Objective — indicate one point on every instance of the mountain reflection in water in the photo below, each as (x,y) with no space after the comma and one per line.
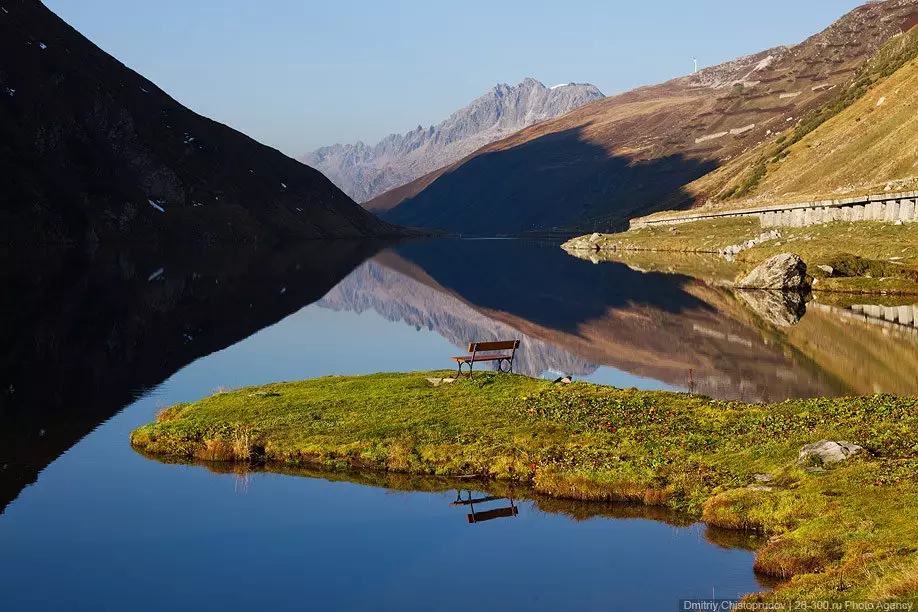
(85,333)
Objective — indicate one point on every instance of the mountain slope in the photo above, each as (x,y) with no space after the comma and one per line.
(364,172)
(635,153)
(90,150)
(865,145)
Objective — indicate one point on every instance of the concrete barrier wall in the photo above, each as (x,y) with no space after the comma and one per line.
(887,208)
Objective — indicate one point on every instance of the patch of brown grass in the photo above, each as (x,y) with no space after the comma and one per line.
(215,449)
(903,584)
(787,557)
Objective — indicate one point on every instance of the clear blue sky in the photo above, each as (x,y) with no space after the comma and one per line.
(298,74)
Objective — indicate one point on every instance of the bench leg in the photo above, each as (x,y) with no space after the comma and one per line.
(461,363)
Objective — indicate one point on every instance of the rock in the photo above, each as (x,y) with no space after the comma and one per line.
(829,270)
(780,308)
(827,452)
(759,488)
(588,244)
(784,272)
(762,477)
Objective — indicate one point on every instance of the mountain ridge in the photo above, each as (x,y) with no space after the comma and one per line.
(364,171)
(635,153)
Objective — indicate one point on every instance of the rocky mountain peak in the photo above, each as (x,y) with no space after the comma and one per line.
(364,171)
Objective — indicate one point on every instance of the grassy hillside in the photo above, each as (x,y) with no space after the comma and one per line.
(635,153)
(863,141)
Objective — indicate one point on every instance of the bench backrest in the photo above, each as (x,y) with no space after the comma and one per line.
(478,347)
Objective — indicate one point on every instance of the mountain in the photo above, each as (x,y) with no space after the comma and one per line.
(364,172)
(635,153)
(90,150)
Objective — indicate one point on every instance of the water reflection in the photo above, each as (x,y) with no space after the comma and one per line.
(479,515)
(84,333)
(87,332)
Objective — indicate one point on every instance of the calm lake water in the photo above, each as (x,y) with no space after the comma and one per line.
(94,344)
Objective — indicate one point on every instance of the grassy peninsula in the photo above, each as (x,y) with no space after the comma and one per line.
(865,257)
(841,531)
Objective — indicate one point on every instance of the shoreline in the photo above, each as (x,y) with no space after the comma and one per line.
(863,258)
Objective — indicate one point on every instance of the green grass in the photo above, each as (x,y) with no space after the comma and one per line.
(850,531)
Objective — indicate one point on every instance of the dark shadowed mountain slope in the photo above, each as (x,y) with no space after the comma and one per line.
(634,153)
(90,150)
(364,172)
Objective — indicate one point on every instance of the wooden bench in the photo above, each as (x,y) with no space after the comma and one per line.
(489,351)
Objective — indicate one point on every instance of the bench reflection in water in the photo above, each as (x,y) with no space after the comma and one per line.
(484,515)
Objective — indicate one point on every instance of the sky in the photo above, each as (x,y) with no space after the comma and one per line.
(300,74)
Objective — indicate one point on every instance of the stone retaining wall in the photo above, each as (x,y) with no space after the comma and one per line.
(889,208)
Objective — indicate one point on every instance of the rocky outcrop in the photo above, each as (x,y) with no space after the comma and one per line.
(365,171)
(92,151)
(827,452)
(783,272)
(733,250)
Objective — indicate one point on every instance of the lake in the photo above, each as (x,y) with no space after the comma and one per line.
(96,342)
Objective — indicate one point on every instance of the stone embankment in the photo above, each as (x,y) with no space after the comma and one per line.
(889,208)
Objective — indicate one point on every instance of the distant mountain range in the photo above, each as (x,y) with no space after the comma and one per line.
(364,171)
(638,152)
(92,151)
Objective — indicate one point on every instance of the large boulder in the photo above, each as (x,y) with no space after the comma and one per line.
(784,272)
(828,451)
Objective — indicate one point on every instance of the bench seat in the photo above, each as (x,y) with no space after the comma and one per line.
(476,358)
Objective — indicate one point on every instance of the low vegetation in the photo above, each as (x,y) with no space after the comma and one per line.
(843,531)
(864,257)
